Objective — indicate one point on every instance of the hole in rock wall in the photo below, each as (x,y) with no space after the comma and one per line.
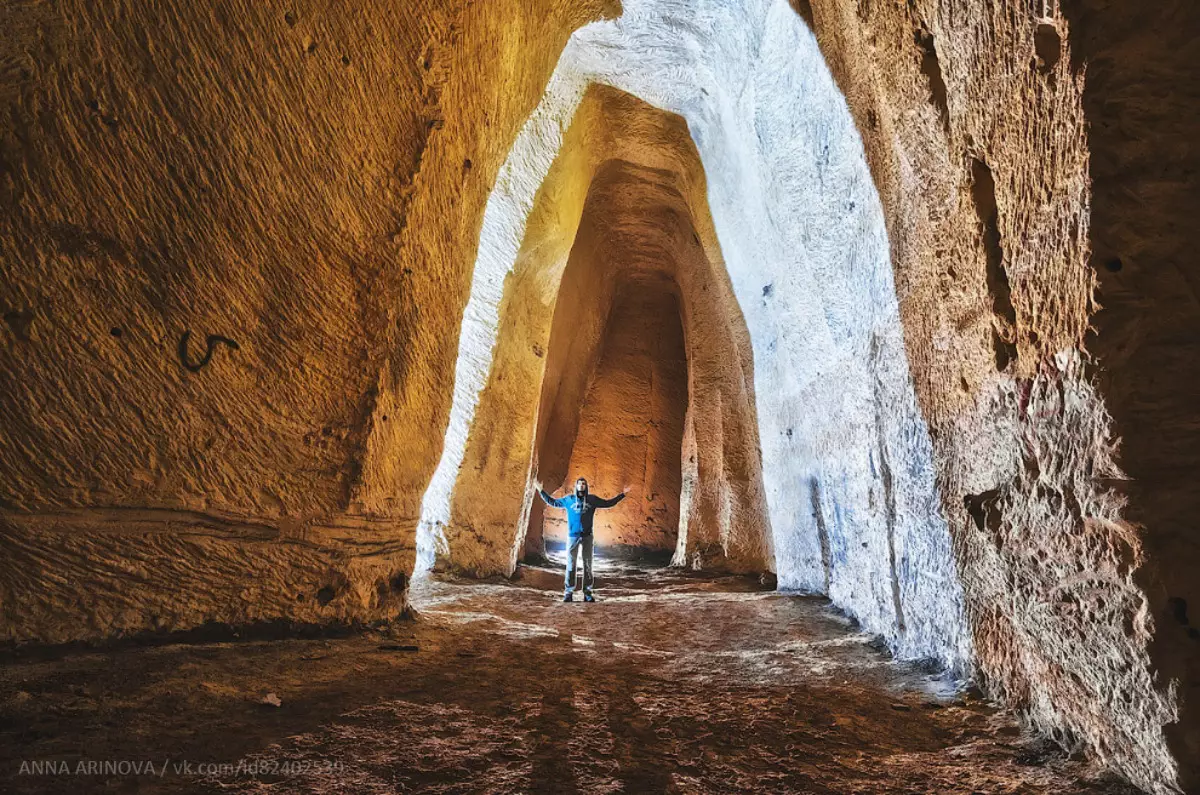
(1004,322)
(931,67)
(1048,46)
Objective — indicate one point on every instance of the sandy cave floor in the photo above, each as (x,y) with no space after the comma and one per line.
(673,682)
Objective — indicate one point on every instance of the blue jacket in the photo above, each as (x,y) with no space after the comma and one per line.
(580,511)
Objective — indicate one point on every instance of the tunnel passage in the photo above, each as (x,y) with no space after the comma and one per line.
(624,197)
(636,240)
(874,270)
(986,523)
(630,429)
(798,379)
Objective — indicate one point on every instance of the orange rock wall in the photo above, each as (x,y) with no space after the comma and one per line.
(303,181)
(631,425)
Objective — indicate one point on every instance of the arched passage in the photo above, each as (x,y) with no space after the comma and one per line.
(924,536)
(629,162)
(641,220)
(802,388)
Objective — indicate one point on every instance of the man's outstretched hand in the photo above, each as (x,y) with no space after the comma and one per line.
(628,488)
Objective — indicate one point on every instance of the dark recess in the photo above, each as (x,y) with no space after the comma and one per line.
(983,191)
(1048,46)
(932,69)
(804,9)
(1141,105)
(19,322)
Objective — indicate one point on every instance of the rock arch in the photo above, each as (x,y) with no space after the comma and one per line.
(801,234)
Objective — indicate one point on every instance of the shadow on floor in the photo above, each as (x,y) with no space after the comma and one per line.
(672,682)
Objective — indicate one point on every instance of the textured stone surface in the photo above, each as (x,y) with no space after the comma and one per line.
(304,182)
(97,573)
(1141,100)
(989,117)
(239,242)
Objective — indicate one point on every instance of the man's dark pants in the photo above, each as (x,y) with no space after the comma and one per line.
(573,548)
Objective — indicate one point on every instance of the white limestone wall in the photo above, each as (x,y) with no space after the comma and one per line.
(847,459)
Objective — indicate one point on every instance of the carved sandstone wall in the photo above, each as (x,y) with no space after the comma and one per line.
(306,182)
(895,238)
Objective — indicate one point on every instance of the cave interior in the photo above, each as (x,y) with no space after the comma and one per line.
(881,315)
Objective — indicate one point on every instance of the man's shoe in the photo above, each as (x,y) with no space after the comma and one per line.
(568,597)
(587,597)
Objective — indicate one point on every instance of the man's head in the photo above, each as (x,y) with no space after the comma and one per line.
(581,488)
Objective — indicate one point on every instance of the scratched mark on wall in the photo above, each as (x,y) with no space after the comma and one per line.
(211,343)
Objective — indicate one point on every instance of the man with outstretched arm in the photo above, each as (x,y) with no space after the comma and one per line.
(580,508)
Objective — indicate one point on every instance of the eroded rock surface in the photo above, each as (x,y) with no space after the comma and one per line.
(993,117)
(264,267)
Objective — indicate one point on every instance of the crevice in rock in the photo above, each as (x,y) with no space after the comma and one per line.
(983,191)
(19,322)
(931,68)
(814,491)
(889,493)
(984,511)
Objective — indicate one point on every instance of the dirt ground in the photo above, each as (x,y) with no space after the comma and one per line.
(672,682)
